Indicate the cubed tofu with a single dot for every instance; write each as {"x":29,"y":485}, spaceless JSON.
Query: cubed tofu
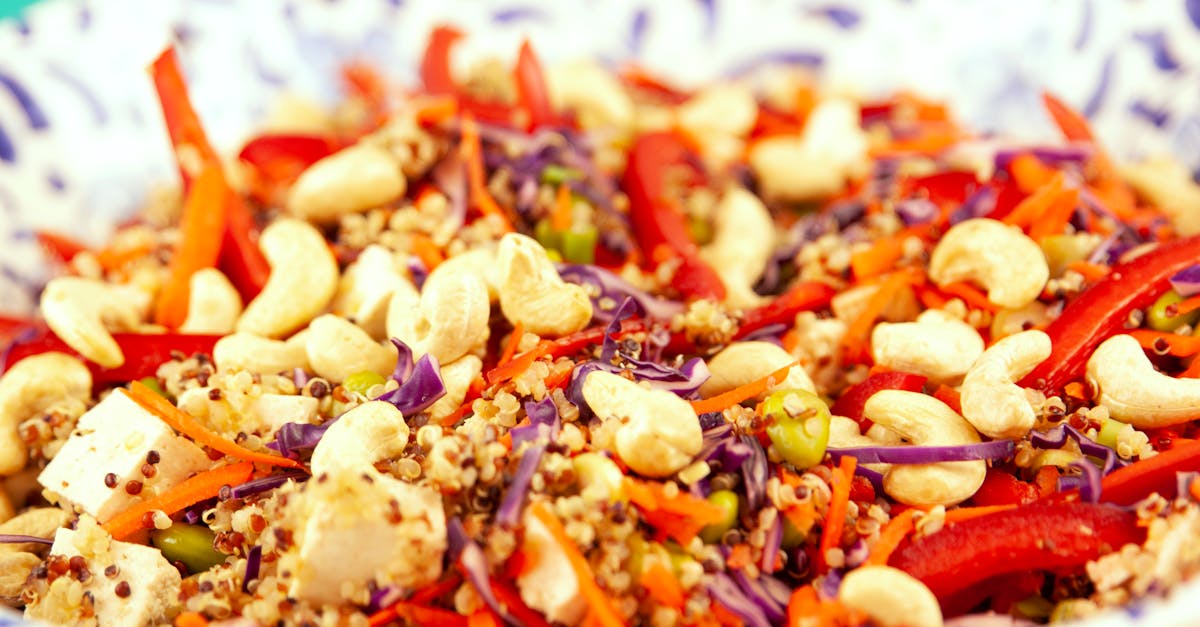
{"x":354,"y":528}
{"x":260,"y":415}
{"x":550,"y":586}
{"x":152,"y":582}
{"x":116,"y":437}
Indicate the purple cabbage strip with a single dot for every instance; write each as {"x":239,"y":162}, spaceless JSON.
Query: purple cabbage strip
{"x":757,"y":593}
{"x":462,"y":549}
{"x":16,"y":538}
{"x":417,"y":271}
{"x":295,"y":438}
{"x":1056,"y":438}
{"x":253,"y":564}
{"x":612,"y":290}
{"x":771,"y":545}
{"x":977,"y":205}
{"x":1088,"y":481}
{"x":995,"y":449}
{"x":916,"y":211}
{"x":857,"y":553}
{"x":269,"y":482}
{"x":544,"y":423}
{"x":509,"y":512}
{"x":725,"y":591}
{"x":384,"y":597}
{"x":1055,"y":156}
{"x":1186,"y":282}
{"x":193,"y":513}
{"x":450,"y":176}
{"x":830,"y":584}
{"x":754,"y":473}
{"x":420,"y":385}
{"x":875,"y":477}
{"x":299,"y":378}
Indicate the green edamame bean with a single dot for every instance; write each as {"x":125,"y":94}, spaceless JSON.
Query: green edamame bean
{"x":1159,"y":318}
{"x":555,"y":174}
{"x":798,"y":425}
{"x":362,"y":382}
{"x":190,"y":544}
{"x":728,"y":502}
{"x":546,"y":235}
{"x":579,"y":245}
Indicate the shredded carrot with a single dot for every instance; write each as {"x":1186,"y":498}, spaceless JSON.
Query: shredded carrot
{"x":967,"y":513}
{"x":202,"y":486}
{"x":741,"y":393}
{"x":519,"y":364}
{"x":950,"y":397}
{"x":417,"y":614}
{"x":116,"y":258}
{"x":456,"y":415}
{"x":1194,"y":489}
{"x":839,"y":502}
{"x":190,"y":619}
{"x":560,"y":218}
{"x":724,"y":617}
{"x":806,"y":609}
{"x":180,"y":421}
{"x":879,"y":258}
{"x":435,"y":110}
{"x":599,"y":604}
{"x":1187,"y":305}
{"x":559,"y":379}
{"x":430,"y":255}
{"x":1090,"y":271}
{"x":890,"y":537}
{"x":1173,"y":344}
{"x":803,"y":516}
{"x":1057,"y":216}
{"x":970,"y":295}
{"x":740,"y":556}
{"x":1075,"y":389}
{"x":1108,"y":187}
{"x":1038,"y":203}
{"x":436,"y":590}
{"x":510,"y":348}
{"x":856,"y":341}
{"x":60,"y":246}
{"x":482,"y":618}
{"x":679,"y":516}
{"x":661,"y":584}
{"x":1029,"y":172}
{"x":201,"y":228}
{"x":806,"y":101}
{"x":1074,"y":126}
{"x":472,"y":153}
{"x":931,"y":138}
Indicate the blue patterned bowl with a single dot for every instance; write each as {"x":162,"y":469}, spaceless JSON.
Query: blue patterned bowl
{"x":81,"y":141}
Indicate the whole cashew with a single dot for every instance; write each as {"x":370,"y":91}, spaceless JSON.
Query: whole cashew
{"x":659,"y":433}
{"x":457,"y":377}
{"x":31,"y":386}
{"x":832,"y":148}
{"x":938,"y":346}
{"x":596,"y":96}
{"x":337,"y":349}
{"x":213,"y":304}
{"x":351,"y":180}
{"x":997,"y":256}
{"x":15,"y":568}
{"x":304,"y":277}
{"x":1167,"y":183}
{"x":448,"y":320}
{"x":740,"y":218}
{"x":246,"y":351}
{"x":236,"y":411}
{"x":364,"y":435}
{"x":40,"y":522}
{"x":845,"y":433}
{"x":83,"y":312}
{"x":890,"y":597}
{"x":1133,"y":391}
{"x":366,"y":289}
{"x":743,"y":362}
{"x":532,"y":293}
{"x":479,"y":262}
{"x":924,"y":420}
{"x":991,"y":400}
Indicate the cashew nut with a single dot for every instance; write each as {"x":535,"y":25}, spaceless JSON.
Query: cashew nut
{"x":448,"y":320}
{"x":924,"y":420}
{"x":304,"y":277}
{"x":719,"y":116}
{"x":369,"y":433}
{"x":337,"y":349}
{"x":83,"y":312}
{"x":938,"y":346}
{"x":457,"y":377}
{"x":832,"y":148}
{"x":40,"y":522}
{"x":991,"y":400}
{"x":890,"y":597}
{"x":15,"y":567}
{"x":1133,"y":391}
{"x":659,"y":432}
{"x":366,"y":289}
{"x":743,"y":362}
{"x":597,"y":97}
{"x":31,"y":386}
{"x":213,"y":304}
{"x":1168,"y":184}
{"x":246,"y":351}
{"x":479,"y":262}
{"x":351,"y":180}
{"x":740,"y":218}
{"x":999,"y":257}
{"x":845,"y":433}
{"x":532,"y":293}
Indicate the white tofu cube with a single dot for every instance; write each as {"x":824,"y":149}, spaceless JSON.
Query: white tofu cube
{"x":261,"y":415}
{"x":550,"y":586}
{"x":113,"y":441}
{"x":353,"y":528}
{"x":142,"y":592}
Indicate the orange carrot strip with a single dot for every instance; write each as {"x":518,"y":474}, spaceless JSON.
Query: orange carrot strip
{"x":1074,"y":126}
{"x":190,"y":619}
{"x":510,"y":348}
{"x":970,"y":295}
{"x":967,"y":513}
{"x":472,"y":153}
{"x":600,"y":605}
{"x":804,"y":608}
{"x":1090,"y":271}
{"x":1187,"y":305}
{"x":116,"y":258}
{"x":680,"y":516}
{"x":430,"y":255}
{"x":1036,"y":204}
{"x":1057,"y":216}
{"x":482,"y":618}
{"x":739,"y":557}
{"x":199,"y":487}
{"x":839,"y":502}
{"x":857,"y":339}
{"x":1029,"y":172}
{"x":1194,"y":489}
{"x":560,"y":218}
{"x":435,"y":110}
{"x":1177,"y":345}
{"x":890,"y":537}
{"x":519,"y":364}
{"x":803,"y":516}
{"x":180,"y":421}
{"x":201,"y":228}
{"x":879,"y":258}
{"x":661,"y":584}
{"x":739,"y":394}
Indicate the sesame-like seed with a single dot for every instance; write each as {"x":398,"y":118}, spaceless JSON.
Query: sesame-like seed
{"x":153,"y":457}
{"x":214,"y":454}
{"x":148,"y":520}
{"x":110,"y":480}
{"x":122,"y":590}
{"x":214,"y":394}
{"x":133,"y":487}
{"x":148,"y":471}
{"x":111,"y":571}
{"x":224,"y":493}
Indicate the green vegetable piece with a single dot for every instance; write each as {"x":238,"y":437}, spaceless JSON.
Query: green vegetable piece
{"x":190,"y":544}
{"x":579,"y":245}
{"x":1159,"y":318}
{"x":152,"y":383}
{"x":728,"y":502}
{"x":362,"y":382}
{"x":1110,"y":429}
{"x":545,"y":234}
{"x":555,"y":174}
{"x":792,"y":537}
{"x":1034,"y":607}
{"x":798,"y":425}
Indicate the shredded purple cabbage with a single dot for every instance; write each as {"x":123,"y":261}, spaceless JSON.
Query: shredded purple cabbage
{"x":1055,"y":156}
{"x":1056,"y":438}
{"x":253,"y":565}
{"x":916,"y":211}
{"x":193,"y":513}
{"x":420,"y":384}
{"x":611,"y":290}
{"x":299,"y":378}
{"x":754,"y":473}
{"x":461,"y":549}
{"x":771,"y":546}
{"x":756,"y":592}
{"x":16,"y":538}
{"x":509,"y":512}
{"x":977,"y":205}
{"x":829,"y":585}
{"x":544,"y":423}
{"x":996,"y":449}
{"x":1088,"y":481}
{"x":1186,"y":282}
{"x":876,"y":478}
{"x":450,"y":176}
{"x":296,"y":439}
{"x":269,"y":482}
{"x":725,"y":591}
{"x":384,"y":597}
{"x":857,"y":553}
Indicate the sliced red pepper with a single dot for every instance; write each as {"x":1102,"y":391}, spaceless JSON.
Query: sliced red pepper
{"x":807,"y":296}
{"x":944,"y":188}
{"x":435,"y":63}
{"x":851,"y":403}
{"x":187,"y":134}
{"x":62,"y":248}
{"x":274,"y":151}
{"x":144,"y":352}
{"x":241,"y":259}
{"x":1060,"y":536}
{"x":1002,"y":488}
{"x":658,"y":221}
{"x":1002,"y":591}
{"x":1136,"y":481}
{"x":1101,"y":311}
{"x":531,"y":88}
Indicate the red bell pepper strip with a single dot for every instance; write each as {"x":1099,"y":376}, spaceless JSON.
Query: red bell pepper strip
{"x":1136,"y":481}
{"x":435,"y":62}
{"x":274,"y":152}
{"x":187,"y":134}
{"x":144,"y":353}
{"x":1040,"y":536}
{"x":851,"y":403}
{"x":1100,"y":312}
{"x":1002,"y":488}
{"x":531,"y":88}
{"x":805,"y":296}
{"x":658,"y":222}
{"x":241,"y":259}
{"x":60,"y":247}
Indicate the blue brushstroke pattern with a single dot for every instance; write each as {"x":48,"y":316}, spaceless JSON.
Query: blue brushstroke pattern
{"x":708,"y":10}
{"x":1096,"y":101}
{"x":518,"y":14}
{"x":845,"y":17}
{"x":785,"y":57}
{"x":1154,"y":115}
{"x":637,"y":30}
{"x":99,"y":113}
{"x":33,"y":113}
{"x":1193,"y":11}
{"x":1156,"y":42}
{"x":1085,"y":25}
{"x":8,"y":152}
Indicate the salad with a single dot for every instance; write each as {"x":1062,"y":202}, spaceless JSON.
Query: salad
{"x":538,"y":346}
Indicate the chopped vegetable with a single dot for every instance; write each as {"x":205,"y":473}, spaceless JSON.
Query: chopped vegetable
{"x":728,"y":502}
{"x":798,"y":425}
{"x":205,"y":485}
{"x":835,"y":520}
{"x":201,"y":228}
{"x":600,"y":606}
{"x":190,"y":544}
